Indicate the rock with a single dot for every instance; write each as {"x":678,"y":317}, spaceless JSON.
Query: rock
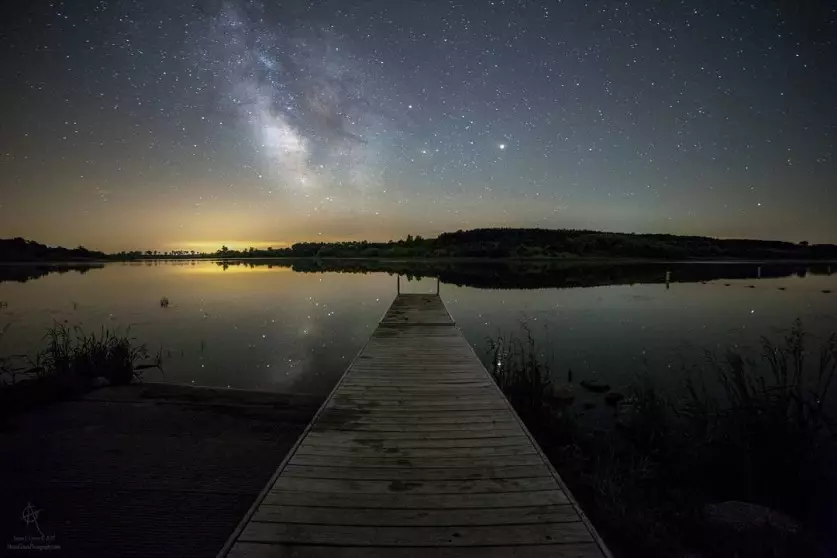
{"x":562,"y":393}
{"x":99,"y":382}
{"x":613,"y":398}
{"x":625,"y":414}
{"x":743,"y":516}
{"x":595,"y":386}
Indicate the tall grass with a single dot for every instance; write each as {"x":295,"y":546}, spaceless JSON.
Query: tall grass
{"x":757,"y":429}
{"x":520,"y":371}
{"x":769,"y":436}
{"x":73,"y":353}
{"x":70,"y":363}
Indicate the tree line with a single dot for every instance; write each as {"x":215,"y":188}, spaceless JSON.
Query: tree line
{"x":495,"y":243}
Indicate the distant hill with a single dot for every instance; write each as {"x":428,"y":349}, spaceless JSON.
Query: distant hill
{"x":21,"y":250}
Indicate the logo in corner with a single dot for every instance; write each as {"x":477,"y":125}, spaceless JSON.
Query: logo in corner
{"x":33,"y":538}
{"x":30,"y":517}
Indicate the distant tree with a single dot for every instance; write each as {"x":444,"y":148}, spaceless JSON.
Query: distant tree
{"x":148,"y":252}
{"x":224,"y":249}
{"x":804,"y":243}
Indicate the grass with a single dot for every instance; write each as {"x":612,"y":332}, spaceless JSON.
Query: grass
{"x":773,"y":419}
{"x":71,"y":363}
{"x":755,"y":429}
{"x":521,"y":372}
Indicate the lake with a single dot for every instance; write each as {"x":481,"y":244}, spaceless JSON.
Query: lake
{"x":295,"y":326}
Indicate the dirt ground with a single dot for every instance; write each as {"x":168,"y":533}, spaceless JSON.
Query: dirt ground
{"x":147,"y":470}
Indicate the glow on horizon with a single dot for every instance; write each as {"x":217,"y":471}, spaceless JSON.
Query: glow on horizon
{"x":210,"y":246}
{"x":215,"y":269}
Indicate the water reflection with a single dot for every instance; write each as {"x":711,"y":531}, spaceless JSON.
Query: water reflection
{"x":294,"y":325}
{"x":23,"y":273}
{"x":544,"y":274}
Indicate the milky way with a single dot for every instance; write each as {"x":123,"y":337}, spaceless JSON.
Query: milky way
{"x":132,"y":123}
{"x":301,"y":97}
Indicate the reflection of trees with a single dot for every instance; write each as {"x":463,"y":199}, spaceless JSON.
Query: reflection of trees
{"x":23,"y":273}
{"x":487,"y":275}
{"x":543,"y":274}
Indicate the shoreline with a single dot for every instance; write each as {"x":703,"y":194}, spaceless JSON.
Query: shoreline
{"x":603,"y":260}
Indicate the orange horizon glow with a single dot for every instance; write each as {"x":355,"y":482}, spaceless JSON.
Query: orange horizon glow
{"x":229,"y":269}
{"x":215,"y":245}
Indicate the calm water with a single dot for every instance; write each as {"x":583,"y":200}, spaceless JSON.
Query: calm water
{"x":275,"y":328}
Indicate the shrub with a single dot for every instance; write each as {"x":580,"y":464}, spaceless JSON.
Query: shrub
{"x":69,"y":364}
{"x":72,"y":353}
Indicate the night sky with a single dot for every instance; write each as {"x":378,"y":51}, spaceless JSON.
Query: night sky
{"x":169,"y":124}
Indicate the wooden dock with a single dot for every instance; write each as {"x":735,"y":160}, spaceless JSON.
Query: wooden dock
{"x":416,"y":452}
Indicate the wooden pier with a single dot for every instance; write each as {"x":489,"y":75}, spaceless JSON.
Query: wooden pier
{"x":416,"y":452}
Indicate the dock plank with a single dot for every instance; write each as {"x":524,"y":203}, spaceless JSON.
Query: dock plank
{"x":462,"y":486}
{"x":416,"y":501}
{"x":420,"y":463}
{"x":261,"y":550}
{"x":331,"y":440}
{"x":416,"y":536}
{"x":409,"y":453}
{"x":414,"y":474}
{"x":418,"y":518}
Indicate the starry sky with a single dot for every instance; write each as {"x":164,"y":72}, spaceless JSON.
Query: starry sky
{"x":163,"y":125}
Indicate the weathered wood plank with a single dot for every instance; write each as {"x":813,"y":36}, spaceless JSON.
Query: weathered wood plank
{"x":342,"y":535}
{"x":462,"y":377}
{"x":415,"y":501}
{"x":261,"y":550}
{"x":419,"y":408}
{"x":459,"y":418}
{"x":419,"y":518}
{"x":395,"y":381}
{"x":464,"y":487}
{"x":408,"y":434}
{"x":330,"y":440}
{"x":419,"y":462}
{"x":415,"y":427}
{"x":406,"y":403}
{"x":416,"y":398}
{"x":418,"y":390}
{"x":407,"y":384}
{"x":408,"y":453}
{"x":413,"y":474}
